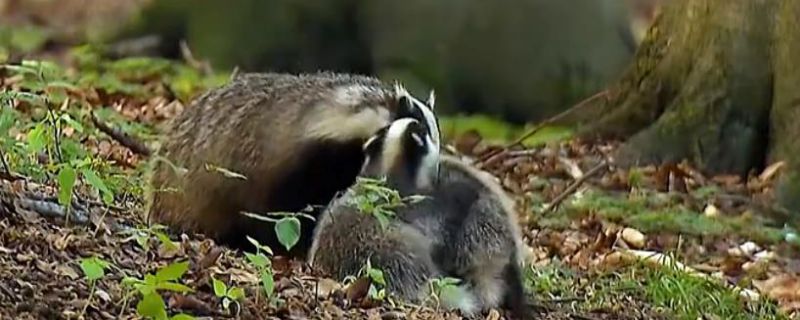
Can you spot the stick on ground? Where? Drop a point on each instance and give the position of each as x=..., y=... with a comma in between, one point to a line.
x=574, y=186
x=123, y=138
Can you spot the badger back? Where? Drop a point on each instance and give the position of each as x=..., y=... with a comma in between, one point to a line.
x=292, y=140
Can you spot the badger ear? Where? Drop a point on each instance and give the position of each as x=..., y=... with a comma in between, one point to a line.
x=431, y=100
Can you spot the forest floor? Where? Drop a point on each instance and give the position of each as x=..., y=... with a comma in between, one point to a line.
x=73, y=243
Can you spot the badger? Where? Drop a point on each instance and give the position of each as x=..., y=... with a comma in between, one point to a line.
x=266, y=143
x=464, y=226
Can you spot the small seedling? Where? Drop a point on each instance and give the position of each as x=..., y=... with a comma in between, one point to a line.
x=445, y=289
x=377, y=287
x=93, y=269
x=228, y=295
x=143, y=235
x=263, y=265
x=152, y=304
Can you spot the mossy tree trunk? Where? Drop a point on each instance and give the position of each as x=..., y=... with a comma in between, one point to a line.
x=716, y=82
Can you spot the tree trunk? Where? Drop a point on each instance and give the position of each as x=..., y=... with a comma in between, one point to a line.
x=716, y=82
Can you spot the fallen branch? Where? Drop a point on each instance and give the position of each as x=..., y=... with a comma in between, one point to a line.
x=574, y=186
x=490, y=156
x=49, y=209
x=123, y=138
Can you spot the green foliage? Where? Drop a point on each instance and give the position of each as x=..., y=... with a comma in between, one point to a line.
x=377, y=287
x=66, y=183
x=130, y=75
x=488, y=127
x=554, y=280
x=663, y=287
x=21, y=38
x=373, y=197
x=143, y=236
x=288, y=231
x=659, y=212
x=43, y=88
x=228, y=295
x=691, y=297
x=151, y=305
x=263, y=265
x=94, y=268
x=446, y=290
x=498, y=131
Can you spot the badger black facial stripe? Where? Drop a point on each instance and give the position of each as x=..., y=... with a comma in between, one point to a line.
x=422, y=112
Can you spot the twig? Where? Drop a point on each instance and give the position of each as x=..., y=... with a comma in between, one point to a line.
x=497, y=153
x=187, y=55
x=56, y=132
x=6, y=167
x=121, y=137
x=574, y=186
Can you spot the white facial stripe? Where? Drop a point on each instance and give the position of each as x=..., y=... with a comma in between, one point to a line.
x=370, y=141
x=393, y=143
x=429, y=166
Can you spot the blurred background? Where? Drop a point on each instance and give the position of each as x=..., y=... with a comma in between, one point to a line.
x=509, y=61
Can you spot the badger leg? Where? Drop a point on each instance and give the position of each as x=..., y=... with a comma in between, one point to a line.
x=515, y=299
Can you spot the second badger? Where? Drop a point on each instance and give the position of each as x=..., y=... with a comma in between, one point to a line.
x=465, y=226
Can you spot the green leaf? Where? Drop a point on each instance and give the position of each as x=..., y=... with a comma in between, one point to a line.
x=94, y=180
x=383, y=220
x=288, y=231
x=172, y=272
x=450, y=293
x=182, y=316
x=166, y=241
x=172, y=286
x=7, y=119
x=152, y=305
x=260, y=246
x=268, y=283
x=72, y=122
x=66, y=183
x=219, y=287
x=258, y=260
x=36, y=138
x=377, y=276
x=93, y=268
x=236, y=293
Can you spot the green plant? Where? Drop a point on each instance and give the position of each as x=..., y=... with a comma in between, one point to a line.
x=151, y=305
x=228, y=295
x=93, y=269
x=373, y=197
x=377, y=281
x=263, y=265
x=287, y=228
x=143, y=235
x=446, y=290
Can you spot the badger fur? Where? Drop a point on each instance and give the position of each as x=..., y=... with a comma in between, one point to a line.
x=465, y=226
x=296, y=139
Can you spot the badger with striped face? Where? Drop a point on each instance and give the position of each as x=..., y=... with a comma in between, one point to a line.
x=465, y=226
x=291, y=141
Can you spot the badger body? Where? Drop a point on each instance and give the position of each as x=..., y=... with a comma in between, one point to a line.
x=296, y=139
x=465, y=226
x=478, y=235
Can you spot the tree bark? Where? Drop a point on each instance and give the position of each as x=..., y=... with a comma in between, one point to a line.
x=716, y=82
